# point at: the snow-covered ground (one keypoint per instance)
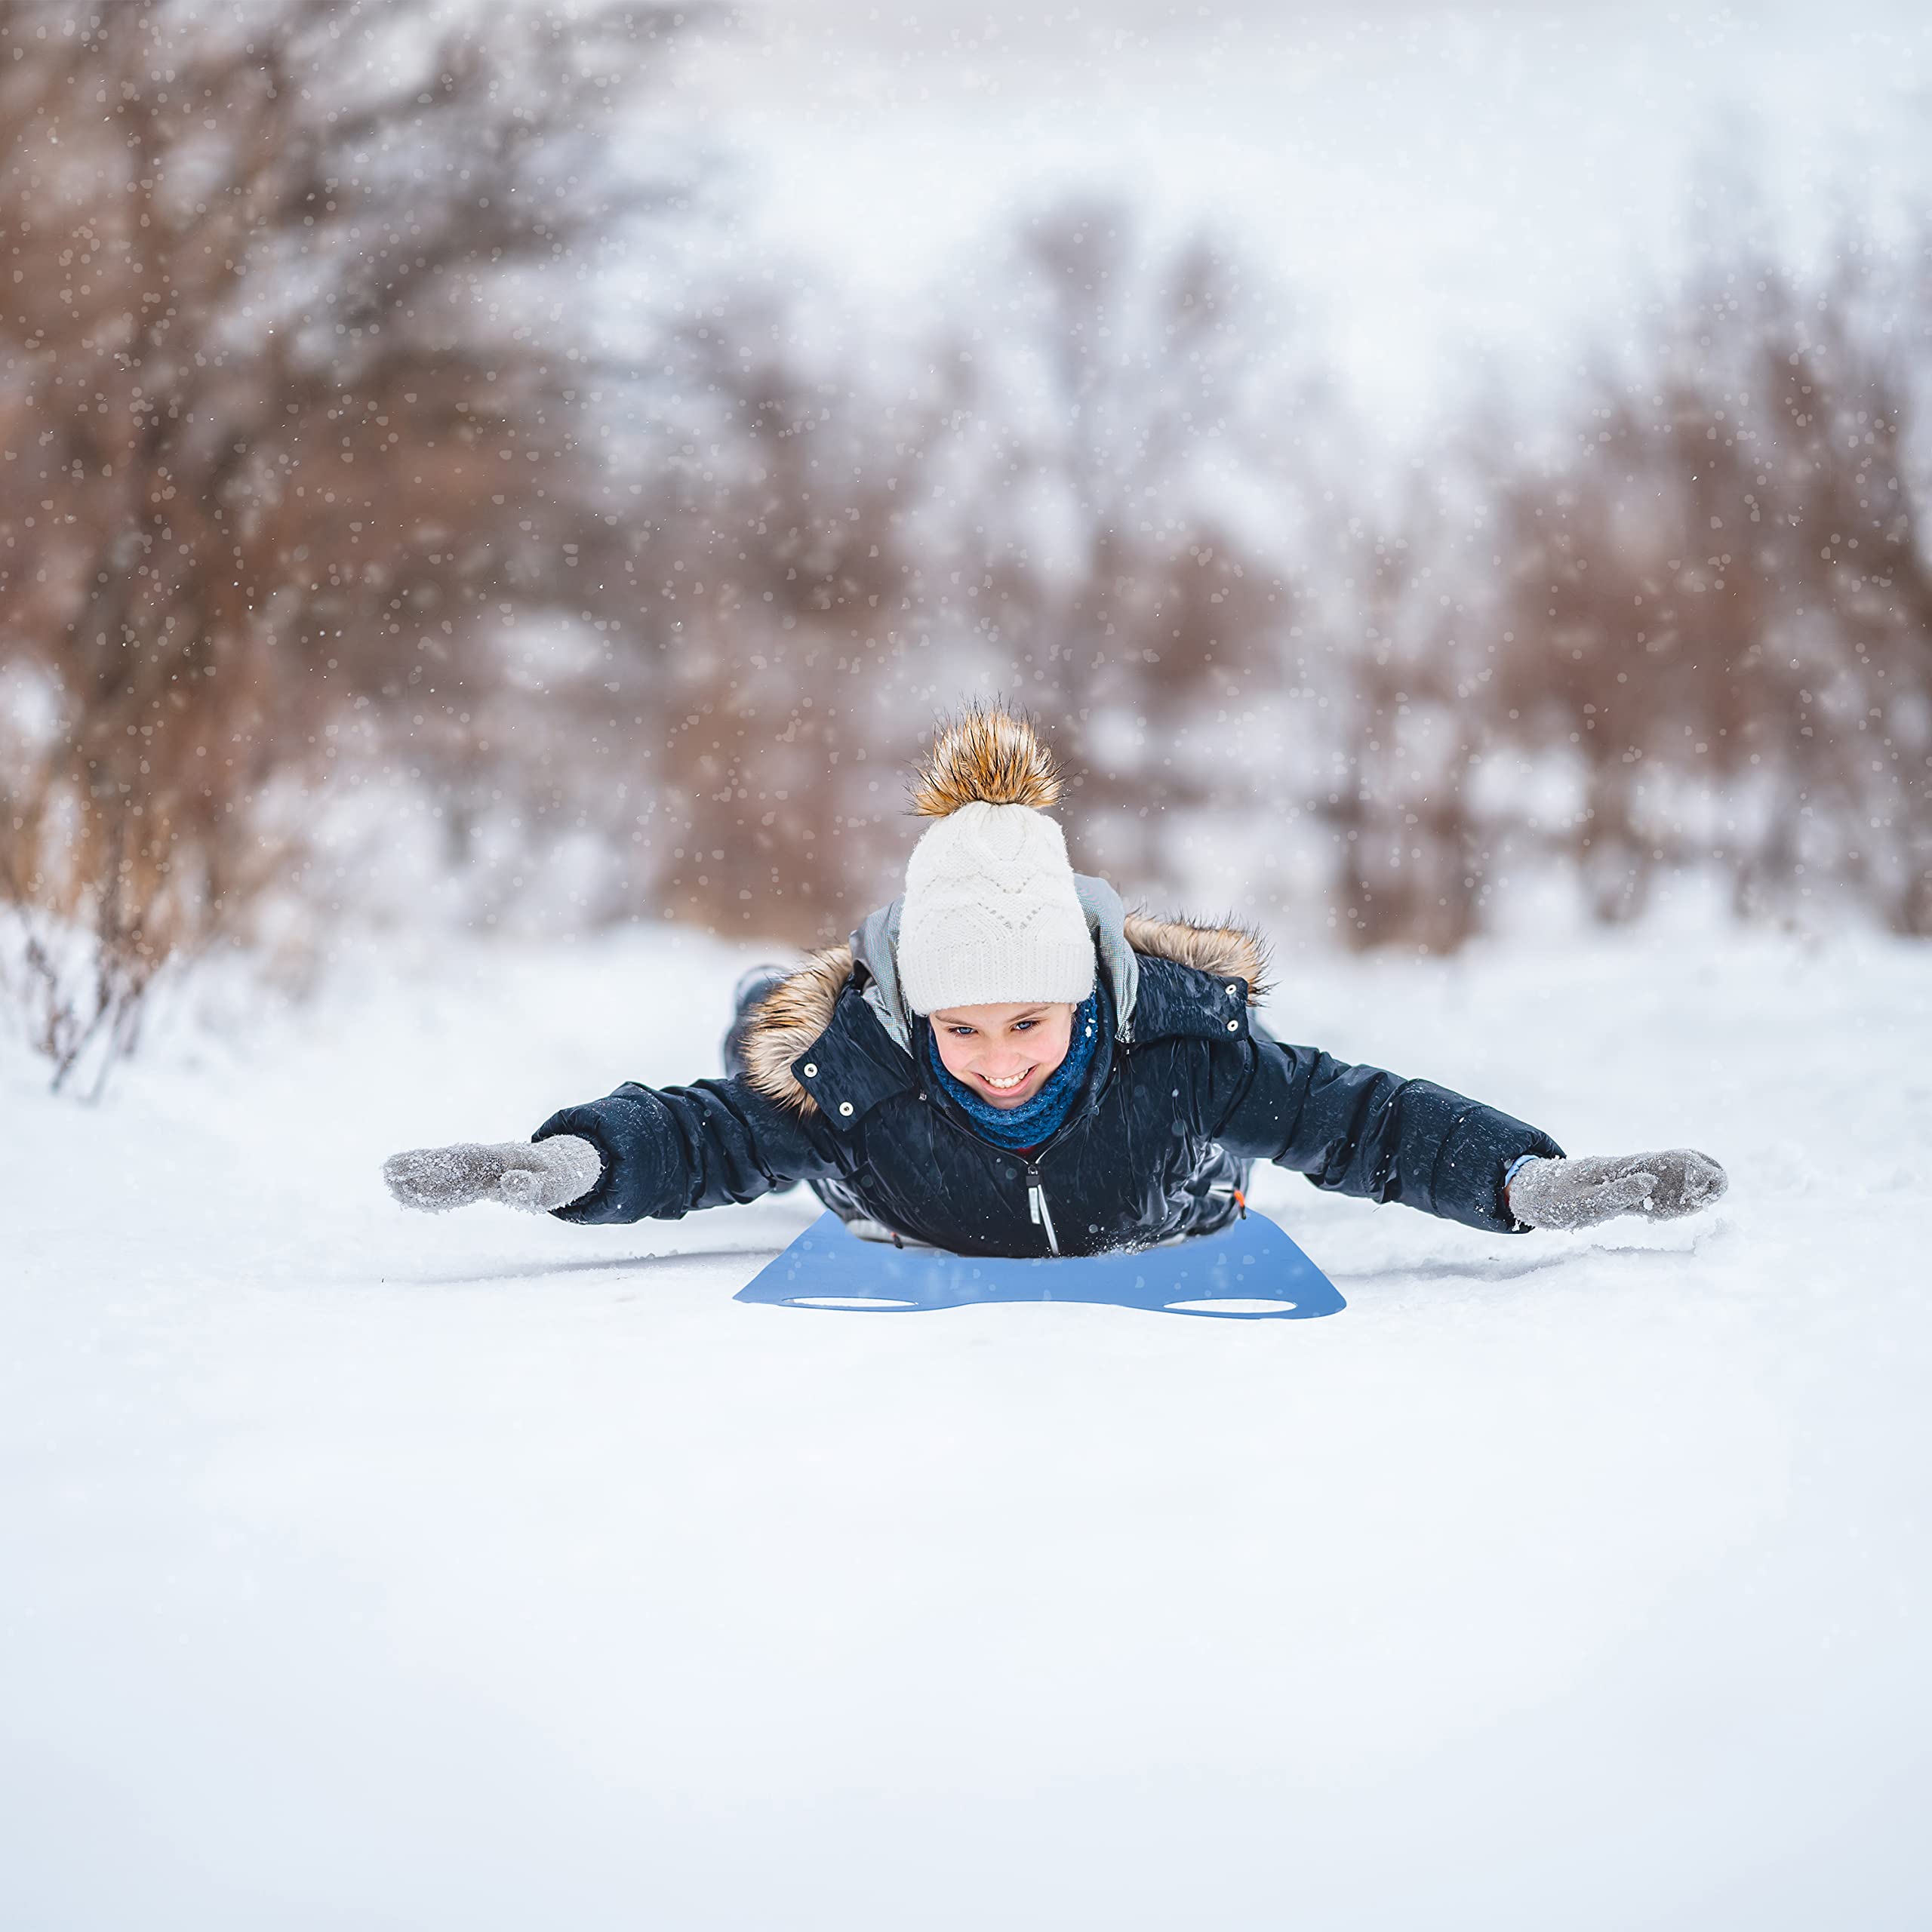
(362, 1569)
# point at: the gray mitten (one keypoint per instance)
(537, 1175)
(1597, 1187)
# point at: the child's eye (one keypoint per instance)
(1026, 1023)
(956, 1031)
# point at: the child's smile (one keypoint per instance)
(1004, 1054)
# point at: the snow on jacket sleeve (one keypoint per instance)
(669, 1150)
(1360, 1130)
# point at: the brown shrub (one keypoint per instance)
(286, 431)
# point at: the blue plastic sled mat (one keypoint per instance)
(1250, 1271)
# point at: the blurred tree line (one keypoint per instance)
(391, 484)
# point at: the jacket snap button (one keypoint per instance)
(1234, 1026)
(845, 1106)
(810, 1069)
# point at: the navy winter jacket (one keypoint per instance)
(1178, 1103)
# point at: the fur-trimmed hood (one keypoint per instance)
(798, 1010)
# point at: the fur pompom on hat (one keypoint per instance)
(990, 916)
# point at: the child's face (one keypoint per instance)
(982, 1045)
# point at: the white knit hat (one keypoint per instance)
(990, 916)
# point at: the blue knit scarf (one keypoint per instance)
(1037, 1119)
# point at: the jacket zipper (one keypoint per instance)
(1036, 1201)
(1036, 1192)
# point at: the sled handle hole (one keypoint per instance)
(1231, 1305)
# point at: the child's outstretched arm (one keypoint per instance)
(1360, 1131)
(640, 1152)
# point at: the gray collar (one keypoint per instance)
(875, 946)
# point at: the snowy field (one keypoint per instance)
(363, 1569)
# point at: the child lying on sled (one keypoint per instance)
(1004, 1062)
